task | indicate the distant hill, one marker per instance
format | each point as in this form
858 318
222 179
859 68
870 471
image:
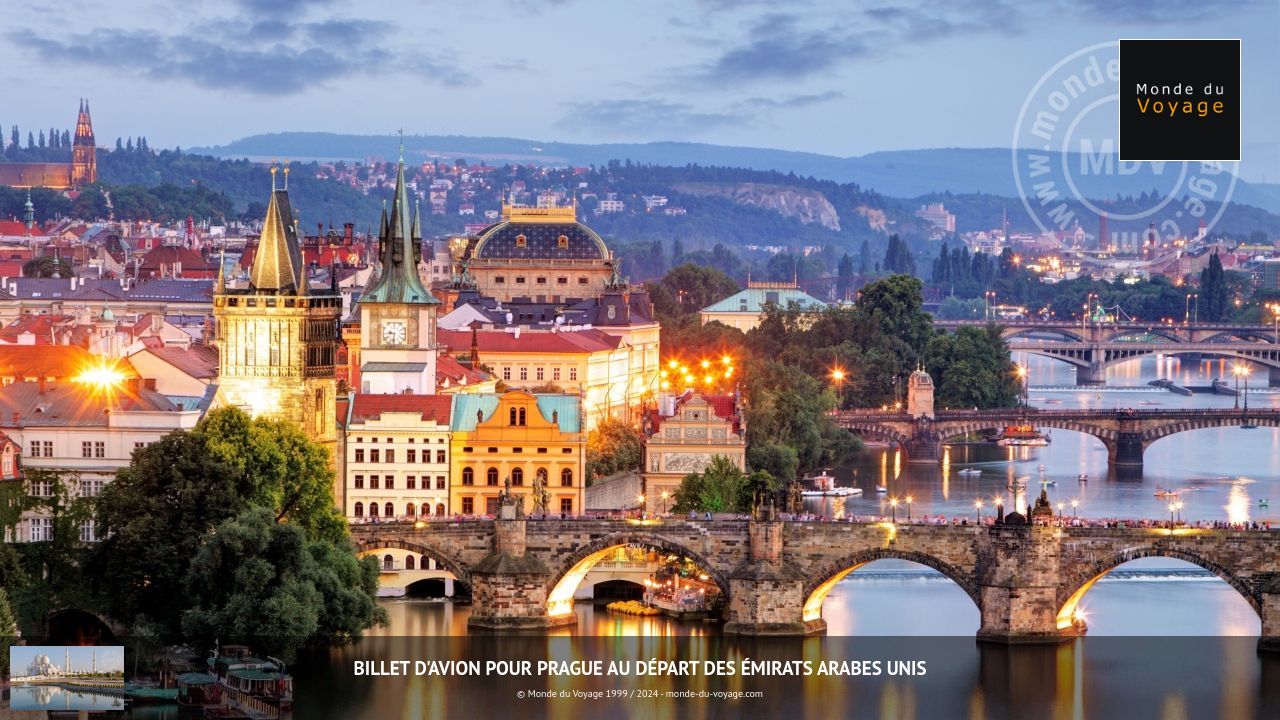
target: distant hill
896 173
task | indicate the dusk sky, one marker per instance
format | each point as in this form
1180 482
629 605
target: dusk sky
839 78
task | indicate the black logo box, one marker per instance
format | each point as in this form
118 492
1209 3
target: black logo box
1187 68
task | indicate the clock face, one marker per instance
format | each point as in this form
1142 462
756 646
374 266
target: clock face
393 333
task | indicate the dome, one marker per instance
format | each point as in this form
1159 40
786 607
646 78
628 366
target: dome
920 377
539 233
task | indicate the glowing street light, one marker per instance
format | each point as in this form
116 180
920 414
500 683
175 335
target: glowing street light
1241 370
909 501
977 504
665 496
837 374
893 509
1075 504
1021 371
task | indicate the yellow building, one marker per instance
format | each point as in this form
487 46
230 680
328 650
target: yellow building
521 441
278 338
683 436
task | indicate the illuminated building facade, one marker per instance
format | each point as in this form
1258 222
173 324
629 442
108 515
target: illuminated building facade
396 456
81 171
529 440
682 436
278 337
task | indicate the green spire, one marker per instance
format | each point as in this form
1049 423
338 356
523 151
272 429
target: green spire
398 252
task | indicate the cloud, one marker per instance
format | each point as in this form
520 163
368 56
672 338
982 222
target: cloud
791 102
282 57
645 118
1157 11
283 8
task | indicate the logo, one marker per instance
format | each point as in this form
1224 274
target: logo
1070 178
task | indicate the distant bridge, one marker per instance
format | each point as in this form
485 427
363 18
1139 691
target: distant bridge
1094 347
1125 433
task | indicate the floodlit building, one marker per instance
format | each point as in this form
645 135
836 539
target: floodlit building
396 456
745 309
682 436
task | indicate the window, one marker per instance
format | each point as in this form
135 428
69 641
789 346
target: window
582 281
87 532
359 455
555 374
35 448
411 455
521 241
562 242
512 415
506 373
537 373
517 476
566 478
373 455
440 457
440 481
573 374
499 279
389 510
42 488
411 482
388 562
541 281
139 445
90 488
491 477
86 449
391 455
440 508
542 451
468 506
519 279
373 482
391 482
468 476
566 506
522 416
359 482
41 529
48 448
524 373
517 450
562 281
409 563
410 509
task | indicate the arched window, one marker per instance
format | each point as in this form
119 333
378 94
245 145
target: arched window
440 508
410 509
373 509
388 562
359 509
517 476
409 563
390 510
468 476
512 415
522 416
566 477
491 476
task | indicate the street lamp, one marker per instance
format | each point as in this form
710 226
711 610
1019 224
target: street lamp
893 508
1177 505
1172 507
909 501
977 504
1241 371
1186 310
1021 371
665 496
1075 504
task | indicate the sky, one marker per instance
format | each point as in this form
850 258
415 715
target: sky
834 77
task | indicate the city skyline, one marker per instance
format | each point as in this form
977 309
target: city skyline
109 658
812 76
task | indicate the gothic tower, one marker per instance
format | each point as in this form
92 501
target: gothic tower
278 337
84 154
397 313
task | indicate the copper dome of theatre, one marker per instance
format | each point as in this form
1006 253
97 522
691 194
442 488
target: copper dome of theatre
539 234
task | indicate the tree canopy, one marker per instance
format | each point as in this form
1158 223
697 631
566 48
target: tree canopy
612 447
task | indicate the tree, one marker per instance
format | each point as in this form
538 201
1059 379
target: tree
689 288
260 582
845 274
91 204
1213 291
972 368
718 488
898 257
8 632
864 258
613 447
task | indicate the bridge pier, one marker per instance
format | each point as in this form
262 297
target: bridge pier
1018 583
1093 374
1126 451
1269 640
509 587
1273 377
766 596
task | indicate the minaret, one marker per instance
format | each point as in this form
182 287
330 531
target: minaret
397 312
84 153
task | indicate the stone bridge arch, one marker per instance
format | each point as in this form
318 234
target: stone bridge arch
951 430
569 572
1173 427
879 430
461 571
1010 333
822 580
1076 584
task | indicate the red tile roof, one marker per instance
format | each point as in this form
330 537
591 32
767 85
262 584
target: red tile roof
530 341
197 361
448 368
61 362
432 407
18 228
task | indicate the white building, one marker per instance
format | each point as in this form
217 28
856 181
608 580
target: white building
85 432
396 461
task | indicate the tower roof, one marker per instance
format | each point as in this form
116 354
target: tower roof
277 265
84 126
399 249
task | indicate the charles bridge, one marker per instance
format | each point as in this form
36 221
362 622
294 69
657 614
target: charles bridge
1126 433
1025 579
1092 347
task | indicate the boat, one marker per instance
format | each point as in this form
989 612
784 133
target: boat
197 689
245 680
144 695
1165 492
832 492
1022 435
1050 483
1264 502
881 490
1082 477
969 472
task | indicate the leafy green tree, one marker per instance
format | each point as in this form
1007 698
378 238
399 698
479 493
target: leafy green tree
972 368
258 581
898 258
90 204
8 632
721 487
778 460
844 273
1213 291
613 447
46 266
689 288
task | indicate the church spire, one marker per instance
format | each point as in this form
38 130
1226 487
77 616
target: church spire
397 253
277 264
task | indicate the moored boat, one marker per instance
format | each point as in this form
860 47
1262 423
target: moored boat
1022 435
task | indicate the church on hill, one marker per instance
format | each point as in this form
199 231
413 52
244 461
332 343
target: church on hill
81 171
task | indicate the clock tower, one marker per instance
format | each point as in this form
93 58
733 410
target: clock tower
398 313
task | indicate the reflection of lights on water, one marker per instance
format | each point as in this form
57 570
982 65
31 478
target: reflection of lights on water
897 463
1237 506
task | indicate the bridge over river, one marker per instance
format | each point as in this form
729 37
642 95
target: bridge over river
1025 579
1094 347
